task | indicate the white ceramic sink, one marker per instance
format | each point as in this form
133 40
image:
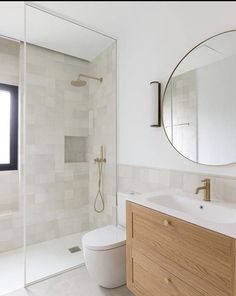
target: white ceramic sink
211 211
214 215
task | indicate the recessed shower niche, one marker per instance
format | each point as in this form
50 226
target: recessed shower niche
75 149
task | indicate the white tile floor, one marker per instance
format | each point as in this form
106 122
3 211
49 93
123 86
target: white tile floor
42 260
72 283
11 271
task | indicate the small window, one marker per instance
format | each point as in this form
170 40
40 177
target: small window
8 127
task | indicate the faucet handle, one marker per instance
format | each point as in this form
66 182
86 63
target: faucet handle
205 180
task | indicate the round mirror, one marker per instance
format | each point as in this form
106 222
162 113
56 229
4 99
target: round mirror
199 104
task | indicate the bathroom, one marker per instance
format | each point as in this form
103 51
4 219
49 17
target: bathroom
95 139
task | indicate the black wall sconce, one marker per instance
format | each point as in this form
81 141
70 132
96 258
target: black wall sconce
156 101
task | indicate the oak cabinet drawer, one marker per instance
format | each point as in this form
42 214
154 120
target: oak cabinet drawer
201 258
150 279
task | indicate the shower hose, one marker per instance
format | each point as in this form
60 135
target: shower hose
99 192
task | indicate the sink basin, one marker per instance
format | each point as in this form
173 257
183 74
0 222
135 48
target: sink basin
211 211
214 215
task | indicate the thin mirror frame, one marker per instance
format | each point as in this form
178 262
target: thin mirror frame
163 98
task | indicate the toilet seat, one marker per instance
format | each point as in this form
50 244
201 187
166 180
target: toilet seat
105 238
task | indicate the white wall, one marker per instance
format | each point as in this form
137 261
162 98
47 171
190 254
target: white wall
150 52
216 111
153 36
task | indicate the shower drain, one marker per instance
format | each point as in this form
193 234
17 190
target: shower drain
74 249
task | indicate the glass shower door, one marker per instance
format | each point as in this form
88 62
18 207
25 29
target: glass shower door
67 121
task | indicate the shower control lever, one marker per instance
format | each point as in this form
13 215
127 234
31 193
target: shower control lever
99 160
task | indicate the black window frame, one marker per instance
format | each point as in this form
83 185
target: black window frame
13 165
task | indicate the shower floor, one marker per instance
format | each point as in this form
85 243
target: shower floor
42 260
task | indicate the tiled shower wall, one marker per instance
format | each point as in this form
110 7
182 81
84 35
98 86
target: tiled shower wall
59 194
144 180
59 191
181 124
102 131
57 201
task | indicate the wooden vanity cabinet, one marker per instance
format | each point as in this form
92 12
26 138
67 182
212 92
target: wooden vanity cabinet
167 256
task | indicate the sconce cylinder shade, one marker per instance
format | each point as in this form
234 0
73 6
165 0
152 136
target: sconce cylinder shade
156 103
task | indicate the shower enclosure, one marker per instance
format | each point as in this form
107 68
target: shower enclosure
65 126
67 142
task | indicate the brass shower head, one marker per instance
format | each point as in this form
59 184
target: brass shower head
79 82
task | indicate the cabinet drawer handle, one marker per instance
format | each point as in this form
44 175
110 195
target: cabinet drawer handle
167 280
166 222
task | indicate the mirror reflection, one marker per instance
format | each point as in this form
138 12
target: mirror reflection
200 101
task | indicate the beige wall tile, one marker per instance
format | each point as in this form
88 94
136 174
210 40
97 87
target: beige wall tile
132 179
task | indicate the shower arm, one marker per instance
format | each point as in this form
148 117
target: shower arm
90 77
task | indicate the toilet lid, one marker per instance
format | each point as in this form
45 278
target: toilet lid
104 238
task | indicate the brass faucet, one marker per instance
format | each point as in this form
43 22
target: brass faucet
206 188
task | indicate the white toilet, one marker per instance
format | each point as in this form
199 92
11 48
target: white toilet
104 250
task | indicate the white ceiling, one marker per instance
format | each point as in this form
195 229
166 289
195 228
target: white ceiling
124 18
116 18
48 31
120 19
12 19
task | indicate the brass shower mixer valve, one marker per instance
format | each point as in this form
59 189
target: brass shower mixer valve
100 160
